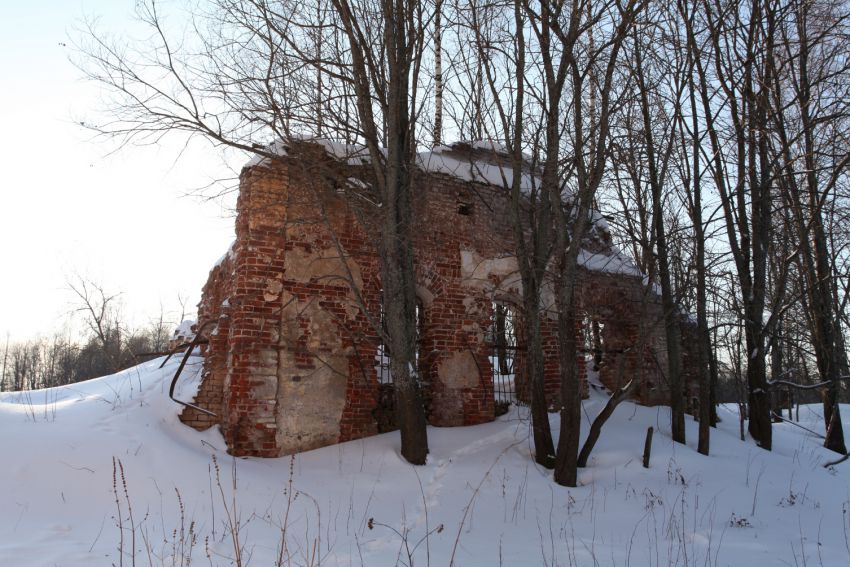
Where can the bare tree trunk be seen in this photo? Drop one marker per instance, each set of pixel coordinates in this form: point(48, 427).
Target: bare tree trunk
point(5, 360)
point(544, 446)
point(393, 174)
point(809, 223)
point(747, 223)
point(707, 412)
point(596, 427)
point(668, 301)
point(694, 194)
point(530, 218)
point(566, 464)
point(588, 165)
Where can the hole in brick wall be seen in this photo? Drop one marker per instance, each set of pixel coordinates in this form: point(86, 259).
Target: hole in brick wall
point(503, 338)
point(382, 355)
point(594, 339)
point(464, 209)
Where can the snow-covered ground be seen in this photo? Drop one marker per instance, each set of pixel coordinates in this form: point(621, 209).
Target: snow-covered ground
point(479, 501)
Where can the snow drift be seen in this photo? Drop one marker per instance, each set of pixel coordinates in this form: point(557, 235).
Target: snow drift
point(480, 500)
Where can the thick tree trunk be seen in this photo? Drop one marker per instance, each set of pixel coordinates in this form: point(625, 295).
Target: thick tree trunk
point(760, 424)
point(395, 243)
point(399, 308)
point(668, 301)
point(566, 464)
point(400, 311)
point(531, 226)
point(703, 337)
point(544, 447)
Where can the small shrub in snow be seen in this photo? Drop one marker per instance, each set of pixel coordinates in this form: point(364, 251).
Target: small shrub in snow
point(739, 522)
point(674, 474)
point(652, 500)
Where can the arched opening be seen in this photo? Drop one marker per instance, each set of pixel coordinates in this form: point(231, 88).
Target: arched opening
point(382, 354)
point(593, 333)
point(384, 412)
point(502, 338)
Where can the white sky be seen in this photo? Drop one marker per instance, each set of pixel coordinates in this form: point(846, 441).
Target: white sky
point(68, 207)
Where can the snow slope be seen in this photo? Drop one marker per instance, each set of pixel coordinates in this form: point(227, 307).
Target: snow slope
point(481, 499)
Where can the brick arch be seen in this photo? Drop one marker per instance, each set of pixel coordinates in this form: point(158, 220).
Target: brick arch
point(621, 307)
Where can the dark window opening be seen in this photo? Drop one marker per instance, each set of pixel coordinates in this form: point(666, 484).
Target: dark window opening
point(503, 353)
point(382, 355)
point(594, 342)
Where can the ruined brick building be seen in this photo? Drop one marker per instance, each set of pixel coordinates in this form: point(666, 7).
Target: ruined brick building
point(293, 362)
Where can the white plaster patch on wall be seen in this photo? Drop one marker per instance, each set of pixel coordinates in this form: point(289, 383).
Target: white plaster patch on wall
point(324, 264)
point(489, 273)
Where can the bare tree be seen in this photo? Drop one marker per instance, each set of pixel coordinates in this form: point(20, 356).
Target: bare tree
point(403, 27)
point(810, 114)
point(100, 312)
point(734, 53)
point(691, 131)
point(254, 72)
point(574, 150)
point(659, 112)
point(24, 359)
point(5, 361)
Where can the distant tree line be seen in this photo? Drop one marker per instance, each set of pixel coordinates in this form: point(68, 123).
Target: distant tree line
point(59, 360)
point(107, 345)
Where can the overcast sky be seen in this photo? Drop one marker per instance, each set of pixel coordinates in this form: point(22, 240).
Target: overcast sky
point(69, 207)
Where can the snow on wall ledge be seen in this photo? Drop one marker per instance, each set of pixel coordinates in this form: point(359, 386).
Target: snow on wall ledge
point(481, 162)
point(291, 365)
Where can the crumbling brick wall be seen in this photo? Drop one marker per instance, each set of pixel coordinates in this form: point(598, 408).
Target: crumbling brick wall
point(214, 309)
point(291, 366)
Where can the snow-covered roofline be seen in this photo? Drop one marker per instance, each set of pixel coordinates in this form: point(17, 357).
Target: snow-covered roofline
point(482, 161)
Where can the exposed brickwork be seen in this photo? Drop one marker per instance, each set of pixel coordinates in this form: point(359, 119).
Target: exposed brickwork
point(291, 366)
point(215, 308)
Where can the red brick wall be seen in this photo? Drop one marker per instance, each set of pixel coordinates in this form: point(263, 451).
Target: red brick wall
point(291, 363)
point(214, 308)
